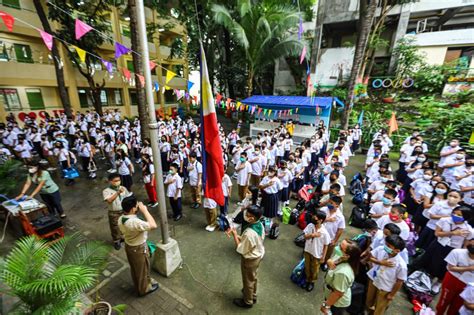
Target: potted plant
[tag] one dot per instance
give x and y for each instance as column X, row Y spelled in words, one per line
column 48, row 278
column 389, row 98
column 104, row 308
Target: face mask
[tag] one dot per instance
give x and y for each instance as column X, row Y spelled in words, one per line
column 330, row 206
column 388, row 250
column 427, row 177
column 257, row 152
column 332, row 179
column 386, row 201
column 470, row 248
column 246, row 217
column 338, row 251
column 440, row 191
column 457, row 219
column 421, row 159
column 384, row 179
column 459, row 156
column 32, row 170
column 171, row 172
column 242, row 159
column 452, row 200
column 453, row 144
column 394, row 217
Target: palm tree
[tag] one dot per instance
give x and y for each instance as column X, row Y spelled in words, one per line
column 262, row 32
column 48, row 278
column 366, row 19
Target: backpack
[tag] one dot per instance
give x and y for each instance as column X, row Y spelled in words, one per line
column 401, row 195
column 418, row 287
column 306, row 193
column 299, row 240
column 286, row 215
column 302, row 220
column 294, row 217
column 358, row 198
column 223, row 223
column 267, row 225
column 298, row 275
column 358, row 217
column 362, row 241
column 274, row 231
column 356, row 186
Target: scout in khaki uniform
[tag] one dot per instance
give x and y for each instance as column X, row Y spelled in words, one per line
column 113, row 195
column 135, row 231
column 250, row 246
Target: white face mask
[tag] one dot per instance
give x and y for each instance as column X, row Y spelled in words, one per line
column 32, row 170
column 427, row 177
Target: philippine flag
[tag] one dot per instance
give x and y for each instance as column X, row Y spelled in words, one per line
column 213, row 160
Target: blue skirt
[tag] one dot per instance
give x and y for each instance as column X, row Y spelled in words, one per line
column 270, row 204
column 285, row 194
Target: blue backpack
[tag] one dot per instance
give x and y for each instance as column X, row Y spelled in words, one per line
column 298, row 275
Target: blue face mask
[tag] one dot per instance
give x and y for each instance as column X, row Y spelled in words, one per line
column 330, row 206
column 388, row 250
column 457, row 219
column 386, row 201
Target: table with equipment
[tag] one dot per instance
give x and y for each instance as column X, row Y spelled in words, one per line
column 31, row 217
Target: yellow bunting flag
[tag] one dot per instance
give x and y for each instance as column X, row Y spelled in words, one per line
column 169, row 75
column 471, row 139
column 269, row 112
column 81, row 53
column 238, row 105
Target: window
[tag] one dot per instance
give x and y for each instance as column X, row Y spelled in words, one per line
column 10, row 99
column 35, row 98
column 103, row 98
column 133, row 97
column 169, row 96
column 84, row 99
column 118, row 97
column 130, row 65
column 12, row 3
column 125, row 30
column 3, row 52
column 23, row 53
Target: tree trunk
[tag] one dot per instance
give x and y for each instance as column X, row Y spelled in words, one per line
column 250, row 83
column 63, row 95
column 366, row 21
column 95, row 91
column 228, row 62
column 138, row 67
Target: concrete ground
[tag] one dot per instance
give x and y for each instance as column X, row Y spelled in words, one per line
column 210, row 276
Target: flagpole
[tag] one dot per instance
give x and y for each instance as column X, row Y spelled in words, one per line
column 167, row 256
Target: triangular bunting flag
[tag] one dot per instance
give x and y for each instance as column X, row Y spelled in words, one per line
column 269, row 112
column 47, row 39
column 126, row 73
column 108, row 65
column 120, row 50
column 238, row 105
column 218, row 98
column 190, row 85
column 81, row 53
column 265, row 112
column 81, row 29
column 152, row 65
column 157, row 86
column 253, row 109
column 259, row 111
column 142, row 79
column 169, row 75
column 303, row 54
column 8, row 20
column 296, row 110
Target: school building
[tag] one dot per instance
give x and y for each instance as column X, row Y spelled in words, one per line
column 27, row 76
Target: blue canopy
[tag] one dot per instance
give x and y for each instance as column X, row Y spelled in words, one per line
column 271, row 101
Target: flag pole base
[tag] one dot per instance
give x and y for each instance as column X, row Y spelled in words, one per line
column 167, row 258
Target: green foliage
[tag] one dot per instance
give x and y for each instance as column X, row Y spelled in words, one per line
column 373, row 122
column 409, row 59
column 465, row 97
column 48, row 278
column 431, row 79
column 11, row 173
column 340, row 93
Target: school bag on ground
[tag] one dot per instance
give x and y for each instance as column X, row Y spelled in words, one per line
column 274, row 231
column 285, row 219
column 298, row 275
column 418, row 287
column 356, row 185
column 299, row 240
column 358, row 217
column 294, row 215
column 302, row 220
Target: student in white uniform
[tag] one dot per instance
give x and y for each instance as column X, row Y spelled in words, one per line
column 227, row 191
column 175, row 186
column 243, row 169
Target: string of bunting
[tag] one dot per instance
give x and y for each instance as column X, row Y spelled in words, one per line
column 259, row 112
column 82, row 29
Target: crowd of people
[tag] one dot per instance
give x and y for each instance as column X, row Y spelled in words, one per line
column 419, row 213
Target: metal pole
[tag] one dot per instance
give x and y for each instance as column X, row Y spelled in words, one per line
column 160, row 188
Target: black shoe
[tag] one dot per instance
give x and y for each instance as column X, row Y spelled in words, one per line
column 117, row 245
column 241, row 303
column 178, row 217
column 324, row 267
column 310, row 287
column 154, row 287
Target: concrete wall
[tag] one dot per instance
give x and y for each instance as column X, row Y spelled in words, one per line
column 434, row 55
column 332, row 60
column 445, row 38
column 50, row 96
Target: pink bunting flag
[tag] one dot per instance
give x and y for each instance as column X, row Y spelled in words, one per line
column 142, row 79
column 48, row 39
column 8, row 20
column 152, row 65
column 81, row 29
column 303, row 54
column 259, row 111
column 126, row 73
column 253, row 109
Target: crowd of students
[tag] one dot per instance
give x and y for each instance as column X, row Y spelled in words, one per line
column 420, row 211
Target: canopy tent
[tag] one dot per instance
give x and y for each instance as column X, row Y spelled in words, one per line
column 305, row 109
